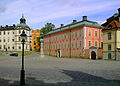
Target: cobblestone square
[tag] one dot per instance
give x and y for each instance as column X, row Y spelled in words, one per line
column 53, row 71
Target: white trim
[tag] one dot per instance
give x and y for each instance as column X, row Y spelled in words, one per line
column 84, row 38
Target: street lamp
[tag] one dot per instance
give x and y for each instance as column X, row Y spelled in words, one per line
column 22, row 75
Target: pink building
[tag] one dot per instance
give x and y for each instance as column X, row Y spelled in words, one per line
column 80, row 39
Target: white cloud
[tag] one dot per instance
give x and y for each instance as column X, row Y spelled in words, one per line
column 37, row 11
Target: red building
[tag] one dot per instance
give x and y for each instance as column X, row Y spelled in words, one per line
column 78, row 39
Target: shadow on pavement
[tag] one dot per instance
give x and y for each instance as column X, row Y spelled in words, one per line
column 78, row 79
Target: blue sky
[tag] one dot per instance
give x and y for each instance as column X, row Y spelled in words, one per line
column 39, row 12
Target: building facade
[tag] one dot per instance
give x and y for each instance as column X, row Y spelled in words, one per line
column 111, row 37
column 10, row 39
column 78, row 39
column 36, row 40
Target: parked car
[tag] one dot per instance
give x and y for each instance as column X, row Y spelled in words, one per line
column 14, row 54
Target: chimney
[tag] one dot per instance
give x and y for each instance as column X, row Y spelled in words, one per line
column 13, row 25
column 74, row 21
column 119, row 11
column 61, row 25
column 84, row 18
column 6, row 25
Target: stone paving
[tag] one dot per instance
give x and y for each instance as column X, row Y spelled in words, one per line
column 53, row 71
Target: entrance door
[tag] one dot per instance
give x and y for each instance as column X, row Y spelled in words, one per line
column 58, row 53
column 93, row 55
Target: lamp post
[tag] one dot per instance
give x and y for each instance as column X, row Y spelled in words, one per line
column 22, row 75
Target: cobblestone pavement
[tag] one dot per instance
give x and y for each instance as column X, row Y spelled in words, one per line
column 53, row 71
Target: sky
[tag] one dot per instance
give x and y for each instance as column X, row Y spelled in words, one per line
column 39, row 12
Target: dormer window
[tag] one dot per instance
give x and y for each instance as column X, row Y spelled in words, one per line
column 110, row 26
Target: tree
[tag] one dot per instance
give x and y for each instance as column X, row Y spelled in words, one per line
column 48, row 27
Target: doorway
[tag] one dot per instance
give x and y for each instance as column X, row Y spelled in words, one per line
column 58, row 53
column 93, row 55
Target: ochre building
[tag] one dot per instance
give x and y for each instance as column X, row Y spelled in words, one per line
column 80, row 39
column 35, row 40
column 111, row 37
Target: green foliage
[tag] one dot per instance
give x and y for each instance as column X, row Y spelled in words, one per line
column 48, row 27
column 38, row 40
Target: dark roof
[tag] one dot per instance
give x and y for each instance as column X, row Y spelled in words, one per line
column 23, row 23
column 114, row 17
column 74, row 25
column 111, row 29
column 8, row 27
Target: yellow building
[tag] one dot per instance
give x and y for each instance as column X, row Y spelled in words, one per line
column 35, row 40
column 111, row 37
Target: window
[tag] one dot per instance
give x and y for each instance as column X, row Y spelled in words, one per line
column 109, row 36
column 19, row 38
column 0, row 47
column 109, row 55
column 12, row 47
column 34, row 36
column 80, row 33
column 76, row 34
column 26, row 46
column 4, row 46
column 89, row 32
column 8, row 39
column 80, row 44
column 19, row 31
column 13, row 32
column 8, row 33
column 96, row 43
column 0, row 32
column 34, row 42
column 4, row 40
column 109, row 47
column 4, row 32
column 13, row 40
column 89, row 43
column 19, row 47
column 96, row 33
column 76, row 45
column 72, row 45
column 8, row 47
column 0, row 39
column 26, row 39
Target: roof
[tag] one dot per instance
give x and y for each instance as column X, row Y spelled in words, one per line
column 112, row 29
column 8, row 27
column 114, row 17
column 74, row 25
column 23, row 25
